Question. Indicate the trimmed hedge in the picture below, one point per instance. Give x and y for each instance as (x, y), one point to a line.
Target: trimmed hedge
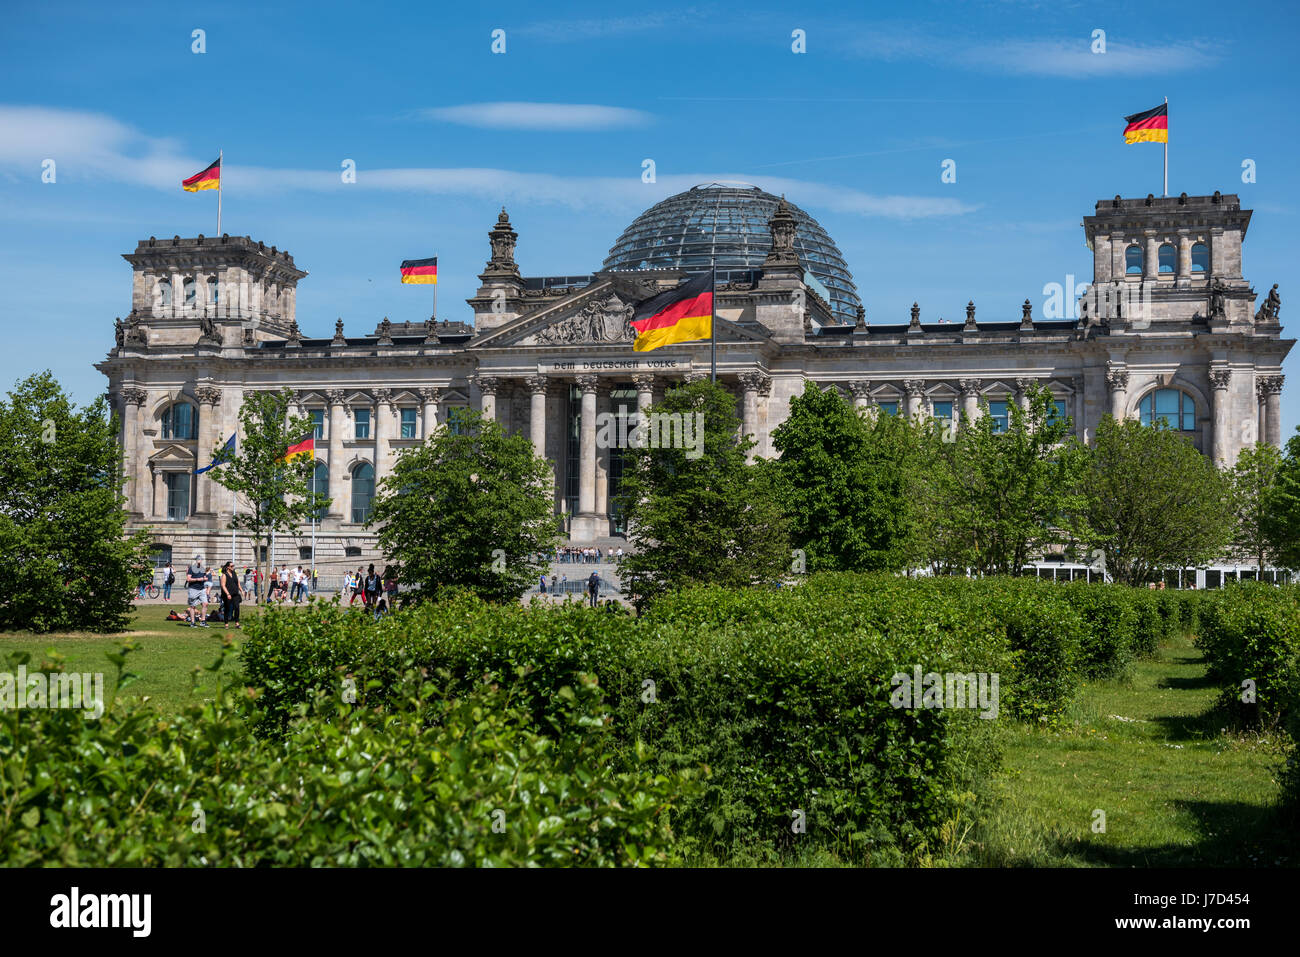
(435, 782)
(1251, 631)
(780, 697)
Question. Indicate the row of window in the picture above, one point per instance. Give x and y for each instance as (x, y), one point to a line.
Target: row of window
(190, 291)
(180, 484)
(1167, 260)
(1163, 408)
(181, 421)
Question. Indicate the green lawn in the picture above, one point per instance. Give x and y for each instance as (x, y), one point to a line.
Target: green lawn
(165, 657)
(1176, 787)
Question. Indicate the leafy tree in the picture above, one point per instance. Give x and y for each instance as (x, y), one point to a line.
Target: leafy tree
(1153, 501)
(993, 500)
(65, 558)
(1281, 522)
(700, 514)
(467, 509)
(1253, 479)
(844, 481)
(279, 492)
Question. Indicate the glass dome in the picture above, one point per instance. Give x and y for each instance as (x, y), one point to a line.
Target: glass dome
(727, 224)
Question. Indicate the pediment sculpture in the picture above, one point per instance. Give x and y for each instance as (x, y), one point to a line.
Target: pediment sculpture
(603, 320)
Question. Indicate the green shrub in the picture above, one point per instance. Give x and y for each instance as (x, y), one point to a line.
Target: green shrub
(782, 695)
(1110, 639)
(441, 781)
(1251, 631)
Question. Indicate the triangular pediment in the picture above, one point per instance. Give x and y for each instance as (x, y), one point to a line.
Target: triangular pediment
(598, 315)
(171, 454)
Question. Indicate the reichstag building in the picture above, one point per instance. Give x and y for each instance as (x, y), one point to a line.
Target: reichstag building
(1169, 331)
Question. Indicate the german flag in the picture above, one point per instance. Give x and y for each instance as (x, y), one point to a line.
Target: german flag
(684, 314)
(210, 178)
(1149, 127)
(420, 271)
(306, 447)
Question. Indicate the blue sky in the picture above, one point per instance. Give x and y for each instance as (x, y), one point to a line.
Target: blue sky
(443, 131)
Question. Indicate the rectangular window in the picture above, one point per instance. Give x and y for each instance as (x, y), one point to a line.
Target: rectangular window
(408, 424)
(363, 423)
(998, 414)
(317, 423)
(1057, 411)
(943, 411)
(889, 408)
(454, 421)
(178, 496)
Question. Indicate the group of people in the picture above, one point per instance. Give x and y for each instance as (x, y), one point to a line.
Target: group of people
(587, 556)
(203, 588)
(286, 583)
(375, 591)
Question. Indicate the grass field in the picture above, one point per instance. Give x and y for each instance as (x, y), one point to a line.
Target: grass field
(1177, 789)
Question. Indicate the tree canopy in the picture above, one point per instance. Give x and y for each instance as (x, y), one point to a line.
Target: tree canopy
(65, 559)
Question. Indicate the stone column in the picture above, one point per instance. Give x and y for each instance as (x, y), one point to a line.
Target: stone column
(1117, 382)
(487, 386)
(912, 391)
(1273, 409)
(604, 440)
(537, 386)
(1220, 381)
(1080, 430)
(751, 383)
(134, 467)
(1151, 256)
(209, 426)
(584, 523)
(1268, 390)
(861, 389)
(1184, 256)
(645, 397)
(430, 397)
(383, 415)
(1022, 392)
(970, 401)
(339, 415)
(160, 496)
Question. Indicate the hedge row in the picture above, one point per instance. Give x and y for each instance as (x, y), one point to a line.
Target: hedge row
(780, 699)
(436, 782)
(1250, 634)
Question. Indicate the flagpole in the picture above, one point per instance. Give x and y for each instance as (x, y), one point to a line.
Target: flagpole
(220, 175)
(713, 323)
(1166, 146)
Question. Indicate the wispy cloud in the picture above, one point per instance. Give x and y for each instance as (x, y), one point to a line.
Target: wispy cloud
(1074, 58)
(539, 116)
(1059, 57)
(569, 31)
(92, 145)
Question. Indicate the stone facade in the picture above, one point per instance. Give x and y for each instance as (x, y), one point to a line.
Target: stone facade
(213, 319)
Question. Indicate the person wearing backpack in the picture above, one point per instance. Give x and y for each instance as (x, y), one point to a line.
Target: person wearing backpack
(593, 588)
(372, 587)
(169, 579)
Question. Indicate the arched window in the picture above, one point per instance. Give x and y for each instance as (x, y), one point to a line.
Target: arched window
(1168, 409)
(1133, 261)
(320, 486)
(1168, 260)
(191, 290)
(165, 292)
(181, 421)
(1200, 258)
(363, 491)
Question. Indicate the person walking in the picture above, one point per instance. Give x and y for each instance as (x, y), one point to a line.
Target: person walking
(169, 579)
(194, 598)
(257, 585)
(231, 595)
(357, 590)
(593, 588)
(372, 587)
